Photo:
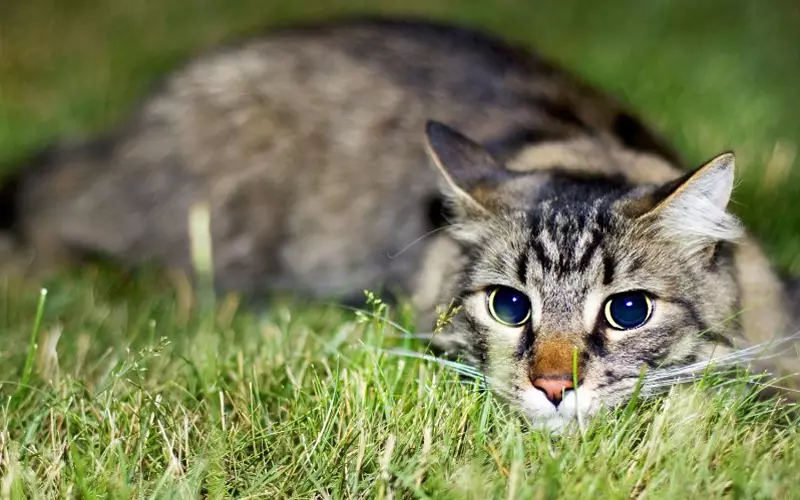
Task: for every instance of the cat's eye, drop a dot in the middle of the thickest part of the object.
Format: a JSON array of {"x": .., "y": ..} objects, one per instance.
[
  {"x": 509, "y": 307},
  {"x": 628, "y": 310}
]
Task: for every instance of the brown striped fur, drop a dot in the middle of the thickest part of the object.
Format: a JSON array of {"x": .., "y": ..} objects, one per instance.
[{"x": 307, "y": 144}]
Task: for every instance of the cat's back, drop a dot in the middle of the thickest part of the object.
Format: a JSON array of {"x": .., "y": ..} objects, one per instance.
[
  {"x": 357, "y": 72},
  {"x": 306, "y": 143}
]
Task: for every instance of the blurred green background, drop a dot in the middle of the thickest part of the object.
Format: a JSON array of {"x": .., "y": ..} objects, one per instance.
[{"x": 712, "y": 75}]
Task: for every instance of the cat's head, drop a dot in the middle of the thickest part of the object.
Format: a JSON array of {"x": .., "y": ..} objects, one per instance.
[{"x": 564, "y": 276}]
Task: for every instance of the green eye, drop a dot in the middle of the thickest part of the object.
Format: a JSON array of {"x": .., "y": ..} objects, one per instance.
[
  {"x": 509, "y": 307},
  {"x": 629, "y": 310}
]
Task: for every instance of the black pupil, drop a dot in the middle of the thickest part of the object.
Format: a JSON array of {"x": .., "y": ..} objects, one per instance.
[
  {"x": 629, "y": 310},
  {"x": 510, "y": 306}
]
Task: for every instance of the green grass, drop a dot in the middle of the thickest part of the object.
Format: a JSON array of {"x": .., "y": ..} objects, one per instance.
[
  {"x": 130, "y": 389},
  {"x": 305, "y": 403}
]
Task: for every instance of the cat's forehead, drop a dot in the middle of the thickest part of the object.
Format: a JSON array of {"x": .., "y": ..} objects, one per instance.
[
  {"x": 556, "y": 191},
  {"x": 557, "y": 244},
  {"x": 567, "y": 243}
]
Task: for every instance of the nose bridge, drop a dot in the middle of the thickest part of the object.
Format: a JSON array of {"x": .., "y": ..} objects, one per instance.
[
  {"x": 562, "y": 307},
  {"x": 553, "y": 357},
  {"x": 560, "y": 332}
]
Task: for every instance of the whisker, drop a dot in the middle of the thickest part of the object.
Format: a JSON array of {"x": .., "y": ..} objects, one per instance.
[
  {"x": 419, "y": 336},
  {"x": 663, "y": 387},
  {"x": 462, "y": 369},
  {"x": 753, "y": 379},
  {"x": 739, "y": 357},
  {"x": 429, "y": 233},
  {"x": 694, "y": 368},
  {"x": 454, "y": 365}
]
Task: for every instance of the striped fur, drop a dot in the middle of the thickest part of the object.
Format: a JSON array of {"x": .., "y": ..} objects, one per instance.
[
  {"x": 307, "y": 146},
  {"x": 569, "y": 240}
]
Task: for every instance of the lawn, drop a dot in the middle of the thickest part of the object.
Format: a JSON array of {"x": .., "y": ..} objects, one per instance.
[{"x": 117, "y": 384}]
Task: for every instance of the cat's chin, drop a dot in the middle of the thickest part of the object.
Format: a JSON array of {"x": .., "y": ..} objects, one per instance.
[{"x": 579, "y": 405}]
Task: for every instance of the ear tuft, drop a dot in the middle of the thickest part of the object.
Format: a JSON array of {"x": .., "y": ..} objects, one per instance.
[{"x": 694, "y": 208}]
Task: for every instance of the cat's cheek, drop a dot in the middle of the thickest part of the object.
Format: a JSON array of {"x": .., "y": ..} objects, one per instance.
[
  {"x": 616, "y": 335},
  {"x": 536, "y": 405},
  {"x": 502, "y": 345},
  {"x": 585, "y": 402},
  {"x": 501, "y": 341},
  {"x": 591, "y": 309},
  {"x": 684, "y": 347}
]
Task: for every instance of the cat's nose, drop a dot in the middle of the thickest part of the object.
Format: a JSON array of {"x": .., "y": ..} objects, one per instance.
[{"x": 553, "y": 388}]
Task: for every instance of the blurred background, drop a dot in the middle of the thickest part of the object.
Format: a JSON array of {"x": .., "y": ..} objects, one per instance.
[{"x": 712, "y": 75}]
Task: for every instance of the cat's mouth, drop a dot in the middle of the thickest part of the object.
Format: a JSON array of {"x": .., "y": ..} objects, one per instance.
[{"x": 576, "y": 406}]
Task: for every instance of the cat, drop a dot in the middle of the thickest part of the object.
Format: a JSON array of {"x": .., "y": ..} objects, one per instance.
[{"x": 434, "y": 161}]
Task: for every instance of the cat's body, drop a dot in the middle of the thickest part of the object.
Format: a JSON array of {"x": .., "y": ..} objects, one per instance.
[{"x": 308, "y": 147}]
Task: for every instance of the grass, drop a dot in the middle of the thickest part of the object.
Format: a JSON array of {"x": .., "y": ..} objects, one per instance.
[
  {"x": 120, "y": 385},
  {"x": 305, "y": 403}
]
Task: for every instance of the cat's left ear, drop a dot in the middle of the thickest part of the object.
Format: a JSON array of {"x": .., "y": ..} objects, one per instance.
[
  {"x": 468, "y": 171},
  {"x": 693, "y": 208}
]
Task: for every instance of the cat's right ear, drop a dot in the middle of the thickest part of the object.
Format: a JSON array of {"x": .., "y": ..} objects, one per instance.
[
  {"x": 467, "y": 169},
  {"x": 692, "y": 209}
]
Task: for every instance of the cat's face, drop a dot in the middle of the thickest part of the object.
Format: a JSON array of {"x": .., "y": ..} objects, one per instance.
[{"x": 569, "y": 279}]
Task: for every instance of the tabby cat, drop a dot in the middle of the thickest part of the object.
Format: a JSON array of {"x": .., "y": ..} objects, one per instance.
[{"x": 570, "y": 233}]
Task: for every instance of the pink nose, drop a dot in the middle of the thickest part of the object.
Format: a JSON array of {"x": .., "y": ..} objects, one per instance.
[{"x": 553, "y": 388}]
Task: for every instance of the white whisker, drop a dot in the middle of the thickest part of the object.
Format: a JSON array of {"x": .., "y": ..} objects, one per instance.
[
  {"x": 740, "y": 357},
  {"x": 665, "y": 386},
  {"x": 454, "y": 365},
  {"x": 419, "y": 336},
  {"x": 429, "y": 233}
]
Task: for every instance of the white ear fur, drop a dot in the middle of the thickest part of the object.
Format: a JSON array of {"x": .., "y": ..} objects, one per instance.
[
  {"x": 462, "y": 164},
  {"x": 695, "y": 210}
]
